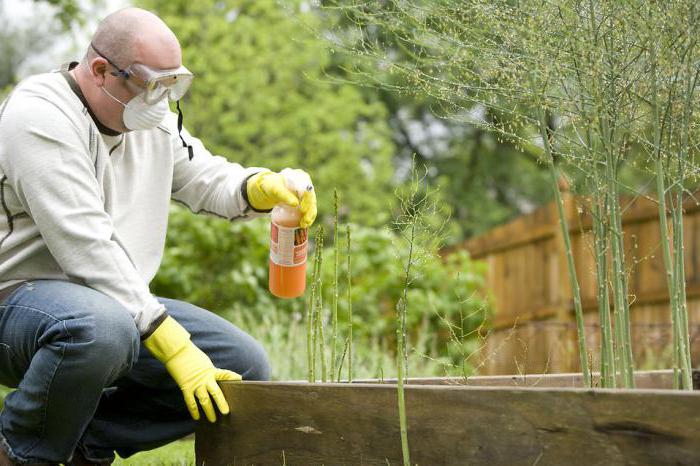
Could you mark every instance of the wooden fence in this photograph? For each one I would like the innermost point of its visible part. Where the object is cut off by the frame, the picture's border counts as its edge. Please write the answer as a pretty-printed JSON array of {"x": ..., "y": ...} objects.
[{"x": 533, "y": 328}]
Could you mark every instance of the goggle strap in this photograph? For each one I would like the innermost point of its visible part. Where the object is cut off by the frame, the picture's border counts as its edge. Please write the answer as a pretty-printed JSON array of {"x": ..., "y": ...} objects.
[{"x": 190, "y": 149}]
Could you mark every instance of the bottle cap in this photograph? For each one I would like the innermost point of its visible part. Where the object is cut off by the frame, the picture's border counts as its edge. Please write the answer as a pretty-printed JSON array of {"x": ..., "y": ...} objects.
[{"x": 297, "y": 181}]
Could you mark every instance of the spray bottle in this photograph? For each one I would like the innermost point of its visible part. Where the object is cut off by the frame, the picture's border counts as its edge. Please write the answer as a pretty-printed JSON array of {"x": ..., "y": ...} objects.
[{"x": 289, "y": 242}]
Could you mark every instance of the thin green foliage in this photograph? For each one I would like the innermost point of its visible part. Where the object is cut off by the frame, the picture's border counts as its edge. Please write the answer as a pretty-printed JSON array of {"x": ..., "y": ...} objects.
[
  {"x": 310, "y": 326},
  {"x": 672, "y": 76},
  {"x": 318, "y": 306},
  {"x": 349, "y": 303},
  {"x": 564, "y": 228},
  {"x": 421, "y": 238},
  {"x": 607, "y": 343},
  {"x": 336, "y": 261},
  {"x": 312, "y": 314},
  {"x": 580, "y": 82}
]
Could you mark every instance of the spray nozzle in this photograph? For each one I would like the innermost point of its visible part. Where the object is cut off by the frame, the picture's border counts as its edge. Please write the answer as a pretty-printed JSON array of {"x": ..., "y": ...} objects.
[{"x": 297, "y": 181}]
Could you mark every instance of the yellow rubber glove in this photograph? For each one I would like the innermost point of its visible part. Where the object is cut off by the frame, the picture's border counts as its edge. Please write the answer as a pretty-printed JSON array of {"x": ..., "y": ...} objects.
[
  {"x": 267, "y": 189},
  {"x": 192, "y": 370},
  {"x": 308, "y": 209}
]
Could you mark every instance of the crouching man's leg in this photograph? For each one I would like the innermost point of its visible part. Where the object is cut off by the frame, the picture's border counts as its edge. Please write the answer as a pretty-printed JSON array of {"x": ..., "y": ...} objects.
[
  {"x": 60, "y": 345},
  {"x": 146, "y": 409}
]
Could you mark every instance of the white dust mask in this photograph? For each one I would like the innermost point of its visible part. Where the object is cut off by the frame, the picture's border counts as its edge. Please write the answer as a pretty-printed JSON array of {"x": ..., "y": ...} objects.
[{"x": 140, "y": 115}]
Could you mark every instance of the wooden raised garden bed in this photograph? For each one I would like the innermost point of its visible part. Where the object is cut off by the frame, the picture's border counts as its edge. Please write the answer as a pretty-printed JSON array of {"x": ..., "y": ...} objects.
[{"x": 530, "y": 420}]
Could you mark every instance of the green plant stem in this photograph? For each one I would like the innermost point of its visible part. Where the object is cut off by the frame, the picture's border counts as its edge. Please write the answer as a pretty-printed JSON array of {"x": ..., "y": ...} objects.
[
  {"x": 622, "y": 321},
  {"x": 342, "y": 360},
  {"x": 607, "y": 356},
  {"x": 400, "y": 348},
  {"x": 336, "y": 257},
  {"x": 677, "y": 211},
  {"x": 603, "y": 107},
  {"x": 573, "y": 279},
  {"x": 349, "y": 301},
  {"x": 682, "y": 311},
  {"x": 692, "y": 76},
  {"x": 601, "y": 241},
  {"x": 309, "y": 343},
  {"x": 319, "y": 309},
  {"x": 563, "y": 225},
  {"x": 668, "y": 265},
  {"x": 314, "y": 343},
  {"x": 312, "y": 327},
  {"x": 321, "y": 339},
  {"x": 673, "y": 261}
]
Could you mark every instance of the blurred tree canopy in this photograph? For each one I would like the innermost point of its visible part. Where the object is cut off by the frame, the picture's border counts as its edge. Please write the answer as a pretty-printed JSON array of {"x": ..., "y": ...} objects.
[
  {"x": 18, "y": 42},
  {"x": 281, "y": 97},
  {"x": 484, "y": 180},
  {"x": 223, "y": 267},
  {"x": 259, "y": 99},
  {"x": 269, "y": 91},
  {"x": 67, "y": 11}
]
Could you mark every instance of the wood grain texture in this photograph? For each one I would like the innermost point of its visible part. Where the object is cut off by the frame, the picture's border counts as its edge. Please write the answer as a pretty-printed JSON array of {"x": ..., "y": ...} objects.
[
  {"x": 357, "y": 424},
  {"x": 659, "y": 379},
  {"x": 527, "y": 279}
]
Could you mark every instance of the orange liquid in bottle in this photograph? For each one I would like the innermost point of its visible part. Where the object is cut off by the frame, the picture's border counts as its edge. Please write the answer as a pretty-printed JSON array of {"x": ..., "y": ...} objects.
[{"x": 288, "y": 247}]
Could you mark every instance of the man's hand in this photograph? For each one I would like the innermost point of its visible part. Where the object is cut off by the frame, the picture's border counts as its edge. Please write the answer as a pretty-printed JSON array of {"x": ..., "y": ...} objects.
[
  {"x": 191, "y": 369},
  {"x": 308, "y": 208},
  {"x": 268, "y": 189}
]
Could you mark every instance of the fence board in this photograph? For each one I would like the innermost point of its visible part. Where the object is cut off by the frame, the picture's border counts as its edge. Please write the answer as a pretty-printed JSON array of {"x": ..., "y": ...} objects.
[{"x": 528, "y": 280}]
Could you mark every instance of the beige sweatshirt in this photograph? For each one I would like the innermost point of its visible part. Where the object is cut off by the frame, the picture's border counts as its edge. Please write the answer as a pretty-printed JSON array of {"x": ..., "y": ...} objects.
[{"x": 79, "y": 205}]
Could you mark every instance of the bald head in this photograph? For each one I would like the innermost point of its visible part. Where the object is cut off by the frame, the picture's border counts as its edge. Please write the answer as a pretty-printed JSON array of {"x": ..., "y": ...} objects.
[
  {"x": 127, "y": 36},
  {"x": 135, "y": 35}
]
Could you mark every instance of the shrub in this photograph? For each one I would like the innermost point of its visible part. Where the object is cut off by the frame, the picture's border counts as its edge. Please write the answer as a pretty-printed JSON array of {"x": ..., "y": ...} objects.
[{"x": 223, "y": 267}]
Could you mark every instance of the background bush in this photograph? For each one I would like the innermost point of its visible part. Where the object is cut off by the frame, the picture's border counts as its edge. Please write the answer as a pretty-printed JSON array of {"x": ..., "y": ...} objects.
[{"x": 223, "y": 267}]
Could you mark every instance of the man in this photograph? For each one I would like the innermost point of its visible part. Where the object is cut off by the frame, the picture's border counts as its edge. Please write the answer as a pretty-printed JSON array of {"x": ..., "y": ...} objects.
[{"x": 90, "y": 157}]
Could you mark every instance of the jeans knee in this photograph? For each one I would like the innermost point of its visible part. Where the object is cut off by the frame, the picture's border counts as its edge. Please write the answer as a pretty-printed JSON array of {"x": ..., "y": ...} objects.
[
  {"x": 113, "y": 341},
  {"x": 257, "y": 362},
  {"x": 249, "y": 360}
]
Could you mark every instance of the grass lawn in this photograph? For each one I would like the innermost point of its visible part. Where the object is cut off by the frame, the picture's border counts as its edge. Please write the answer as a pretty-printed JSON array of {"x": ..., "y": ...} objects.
[{"x": 180, "y": 453}]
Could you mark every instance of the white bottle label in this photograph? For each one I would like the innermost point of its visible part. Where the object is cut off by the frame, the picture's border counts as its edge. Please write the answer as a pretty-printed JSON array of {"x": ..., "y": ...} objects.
[{"x": 288, "y": 245}]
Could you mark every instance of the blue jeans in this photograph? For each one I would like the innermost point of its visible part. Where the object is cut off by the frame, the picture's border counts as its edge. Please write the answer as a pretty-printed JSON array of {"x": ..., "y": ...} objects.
[{"x": 84, "y": 381}]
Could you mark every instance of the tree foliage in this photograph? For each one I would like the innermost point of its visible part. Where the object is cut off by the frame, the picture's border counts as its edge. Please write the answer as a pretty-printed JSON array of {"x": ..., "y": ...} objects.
[
  {"x": 483, "y": 179},
  {"x": 259, "y": 98},
  {"x": 263, "y": 96},
  {"x": 223, "y": 267},
  {"x": 18, "y": 43},
  {"x": 68, "y": 12}
]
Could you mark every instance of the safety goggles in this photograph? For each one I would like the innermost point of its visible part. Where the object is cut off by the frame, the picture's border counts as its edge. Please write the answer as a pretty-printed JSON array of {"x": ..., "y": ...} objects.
[{"x": 155, "y": 84}]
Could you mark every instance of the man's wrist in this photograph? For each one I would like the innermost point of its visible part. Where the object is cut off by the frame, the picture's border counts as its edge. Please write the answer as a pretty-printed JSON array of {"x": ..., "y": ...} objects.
[
  {"x": 154, "y": 325},
  {"x": 244, "y": 194},
  {"x": 168, "y": 339}
]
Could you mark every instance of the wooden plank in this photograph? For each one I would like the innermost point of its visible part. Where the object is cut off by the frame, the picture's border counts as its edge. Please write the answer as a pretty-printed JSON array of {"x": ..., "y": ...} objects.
[
  {"x": 343, "y": 424},
  {"x": 658, "y": 379}
]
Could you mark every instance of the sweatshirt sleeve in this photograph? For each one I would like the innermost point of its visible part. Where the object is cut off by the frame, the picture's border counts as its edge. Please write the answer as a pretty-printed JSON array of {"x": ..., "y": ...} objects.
[
  {"x": 48, "y": 164},
  {"x": 208, "y": 183}
]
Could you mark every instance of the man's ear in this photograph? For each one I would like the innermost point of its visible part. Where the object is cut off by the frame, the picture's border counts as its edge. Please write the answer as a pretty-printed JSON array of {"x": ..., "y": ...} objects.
[{"x": 98, "y": 70}]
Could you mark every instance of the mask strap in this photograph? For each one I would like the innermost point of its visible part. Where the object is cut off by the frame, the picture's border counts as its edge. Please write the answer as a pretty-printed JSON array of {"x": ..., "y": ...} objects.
[
  {"x": 190, "y": 150},
  {"x": 114, "y": 98}
]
